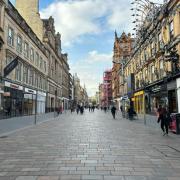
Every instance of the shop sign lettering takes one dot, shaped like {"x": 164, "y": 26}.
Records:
{"x": 14, "y": 86}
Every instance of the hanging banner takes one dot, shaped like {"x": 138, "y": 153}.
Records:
{"x": 10, "y": 67}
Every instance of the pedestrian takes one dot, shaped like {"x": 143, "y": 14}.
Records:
{"x": 121, "y": 108}
{"x": 131, "y": 113}
{"x": 164, "y": 118}
{"x": 72, "y": 109}
{"x": 81, "y": 110}
{"x": 77, "y": 108}
{"x": 59, "y": 111}
{"x": 105, "y": 109}
{"x": 113, "y": 111}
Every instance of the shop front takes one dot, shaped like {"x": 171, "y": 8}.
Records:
{"x": 172, "y": 96}
{"x": 12, "y": 100}
{"x": 138, "y": 102}
{"x": 158, "y": 95}
{"x": 178, "y": 93}
{"x": 29, "y": 104}
{"x": 41, "y": 102}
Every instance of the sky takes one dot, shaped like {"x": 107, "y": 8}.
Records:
{"x": 87, "y": 31}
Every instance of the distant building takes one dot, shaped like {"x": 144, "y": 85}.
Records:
{"x": 123, "y": 46}
{"x": 107, "y": 87}
{"x": 80, "y": 93}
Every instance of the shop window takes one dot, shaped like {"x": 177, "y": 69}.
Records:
{"x": 171, "y": 29}
{"x": 19, "y": 44}
{"x": 26, "y": 50}
{"x": 173, "y": 101}
{"x": 10, "y": 36}
{"x": 32, "y": 54}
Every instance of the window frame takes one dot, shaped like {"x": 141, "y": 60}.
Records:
{"x": 10, "y": 38}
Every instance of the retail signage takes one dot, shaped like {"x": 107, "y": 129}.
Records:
{"x": 130, "y": 84}
{"x": 156, "y": 89}
{"x": 12, "y": 85}
{"x": 159, "y": 88}
{"x": 31, "y": 91}
{"x": 10, "y": 66}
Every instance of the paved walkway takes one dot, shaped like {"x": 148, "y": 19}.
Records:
{"x": 92, "y": 146}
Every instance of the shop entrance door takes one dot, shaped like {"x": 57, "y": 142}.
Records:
{"x": 172, "y": 102}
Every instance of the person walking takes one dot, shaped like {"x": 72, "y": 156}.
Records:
{"x": 59, "y": 111}
{"x": 82, "y": 110}
{"x": 105, "y": 109}
{"x": 77, "y": 109}
{"x": 164, "y": 118}
{"x": 113, "y": 111}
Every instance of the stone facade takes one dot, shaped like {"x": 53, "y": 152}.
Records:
{"x": 122, "y": 51}
{"x": 29, "y": 10}
{"x": 24, "y": 89}
{"x": 155, "y": 62}
{"x": 58, "y": 71}
{"x": 80, "y": 93}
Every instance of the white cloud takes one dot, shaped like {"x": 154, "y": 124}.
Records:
{"x": 76, "y": 18}
{"x": 90, "y": 70}
{"x": 80, "y": 17}
{"x": 95, "y": 57}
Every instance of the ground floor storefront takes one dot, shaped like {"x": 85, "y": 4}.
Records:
{"x": 147, "y": 101}
{"x": 178, "y": 93}
{"x": 18, "y": 100}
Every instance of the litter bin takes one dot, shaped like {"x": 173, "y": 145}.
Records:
{"x": 175, "y": 123}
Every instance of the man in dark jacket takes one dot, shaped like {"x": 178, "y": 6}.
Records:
{"x": 164, "y": 118}
{"x": 113, "y": 111}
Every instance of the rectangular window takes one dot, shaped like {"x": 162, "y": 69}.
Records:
{"x": 18, "y": 72}
{"x": 45, "y": 66}
{"x": 19, "y": 44}
{"x": 160, "y": 43}
{"x": 35, "y": 79}
{"x": 152, "y": 73}
{"x": 8, "y": 59}
{"x": 41, "y": 63}
{"x": 32, "y": 54}
{"x": 161, "y": 67}
{"x": 10, "y": 36}
{"x": 26, "y": 49}
{"x": 30, "y": 77}
{"x": 37, "y": 59}
{"x": 25, "y": 74}
{"x": 171, "y": 29}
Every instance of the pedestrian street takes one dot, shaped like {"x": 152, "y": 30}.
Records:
{"x": 92, "y": 146}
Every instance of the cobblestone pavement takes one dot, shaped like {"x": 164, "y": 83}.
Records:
{"x": 92, "y": 146}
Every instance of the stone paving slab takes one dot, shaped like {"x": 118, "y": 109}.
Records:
{"x": 92, "y": 146}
